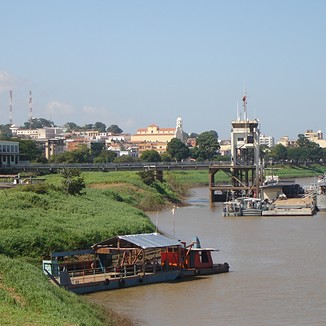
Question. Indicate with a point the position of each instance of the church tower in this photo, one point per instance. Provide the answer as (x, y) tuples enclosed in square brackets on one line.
[(179, 130)]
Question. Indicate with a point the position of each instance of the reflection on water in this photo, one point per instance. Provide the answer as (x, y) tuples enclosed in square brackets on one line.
[(277, 272)]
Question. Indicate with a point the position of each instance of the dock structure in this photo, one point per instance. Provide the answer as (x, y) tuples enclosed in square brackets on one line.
[(245, 170), (243, 180)]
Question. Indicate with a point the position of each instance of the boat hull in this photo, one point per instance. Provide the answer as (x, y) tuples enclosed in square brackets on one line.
[(216, 269), (118, 283)]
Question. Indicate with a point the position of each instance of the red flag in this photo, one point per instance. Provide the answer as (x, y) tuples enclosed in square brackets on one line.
[(244, 98)]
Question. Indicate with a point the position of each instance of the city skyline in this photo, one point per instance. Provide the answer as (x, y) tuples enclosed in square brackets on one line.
[(137, 63)]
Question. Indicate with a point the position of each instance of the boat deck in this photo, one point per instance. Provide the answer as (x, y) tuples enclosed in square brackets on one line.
[(306, 201), (101, 277), (303, 206)]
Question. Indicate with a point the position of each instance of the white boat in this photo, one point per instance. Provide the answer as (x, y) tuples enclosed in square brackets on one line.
[(244, 206), (252, 206), (232, 208)]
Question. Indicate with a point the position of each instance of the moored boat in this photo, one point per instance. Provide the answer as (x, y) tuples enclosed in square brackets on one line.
[(126, 261), (232, 208), (122, 261)]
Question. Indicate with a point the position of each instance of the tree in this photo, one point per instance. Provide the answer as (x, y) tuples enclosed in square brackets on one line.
[(29, 151), (125, 159), (166, 157), (73, 183), (150, 156), (114, 129), (81, 155), (177, 149), (96, 149), (208, 145), (38, 123), (101, 127), (105, 157), (147, 176), (88, 126), (5, 132), (279, 152), (193, 135), (302, 141), (71, 126)]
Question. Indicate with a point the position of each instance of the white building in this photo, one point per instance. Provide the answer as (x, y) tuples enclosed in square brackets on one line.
[(266, 140)]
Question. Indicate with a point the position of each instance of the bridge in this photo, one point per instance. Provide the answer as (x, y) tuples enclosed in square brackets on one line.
[(243, 177), (106, 167)]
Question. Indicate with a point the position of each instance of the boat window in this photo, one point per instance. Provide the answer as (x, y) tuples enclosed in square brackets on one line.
[(204, 257)]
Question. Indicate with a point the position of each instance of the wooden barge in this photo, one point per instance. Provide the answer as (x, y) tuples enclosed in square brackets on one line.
[(129, 260)]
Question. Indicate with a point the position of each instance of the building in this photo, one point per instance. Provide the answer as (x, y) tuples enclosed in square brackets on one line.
[(313, 136), (155, 138), (76, 143), (316, 137), (52, 146), (285, 141), (266, 141), (28, 133), (9, 153), (245, 139), (225, 148), (49, 132)]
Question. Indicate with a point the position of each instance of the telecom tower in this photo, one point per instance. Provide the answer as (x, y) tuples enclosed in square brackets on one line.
[(30, 110), (10, 107)]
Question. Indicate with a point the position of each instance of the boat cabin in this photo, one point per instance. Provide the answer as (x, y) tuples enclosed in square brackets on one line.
[(151, 249)]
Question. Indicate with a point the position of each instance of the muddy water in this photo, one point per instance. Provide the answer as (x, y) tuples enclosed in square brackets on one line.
[(277, 272)]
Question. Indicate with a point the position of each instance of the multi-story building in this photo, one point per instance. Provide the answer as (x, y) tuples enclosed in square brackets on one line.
[(313, 135), (28, 133), (52, 146), (266, 140), (285, 141), (155, 138), (75, 143), (9, 153)]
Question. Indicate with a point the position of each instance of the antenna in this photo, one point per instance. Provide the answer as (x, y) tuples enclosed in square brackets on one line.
[(244, 100), (10, 107), (30, 110)]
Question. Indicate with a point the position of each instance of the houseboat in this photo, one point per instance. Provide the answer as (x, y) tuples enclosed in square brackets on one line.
[(125, 261), (122, 261)]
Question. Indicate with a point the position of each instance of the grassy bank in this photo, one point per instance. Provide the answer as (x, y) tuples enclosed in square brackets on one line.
[(35, 220), (28, 298)]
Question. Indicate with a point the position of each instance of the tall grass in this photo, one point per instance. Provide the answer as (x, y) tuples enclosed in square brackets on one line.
[(28, 298), (32, 225)]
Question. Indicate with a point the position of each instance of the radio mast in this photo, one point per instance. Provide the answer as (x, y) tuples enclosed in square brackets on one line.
[(30, 110), (10, 107)]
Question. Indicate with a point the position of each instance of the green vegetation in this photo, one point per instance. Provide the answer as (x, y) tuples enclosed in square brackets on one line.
[(37, 219), (28, 298), (294, 171)]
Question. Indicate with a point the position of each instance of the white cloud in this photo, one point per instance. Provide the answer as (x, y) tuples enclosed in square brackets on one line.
[(7, 81), (59, 108)]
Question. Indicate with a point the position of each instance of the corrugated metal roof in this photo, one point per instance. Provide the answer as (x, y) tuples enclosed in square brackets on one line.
[(144, 241), (150, 240)]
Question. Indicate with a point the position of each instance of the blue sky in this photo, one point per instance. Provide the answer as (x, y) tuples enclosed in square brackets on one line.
[(134, 63)]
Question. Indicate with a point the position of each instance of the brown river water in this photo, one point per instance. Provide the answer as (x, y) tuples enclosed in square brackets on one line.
[(277, 271)]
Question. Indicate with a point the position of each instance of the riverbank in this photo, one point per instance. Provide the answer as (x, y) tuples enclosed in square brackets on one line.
[(37, 219)]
